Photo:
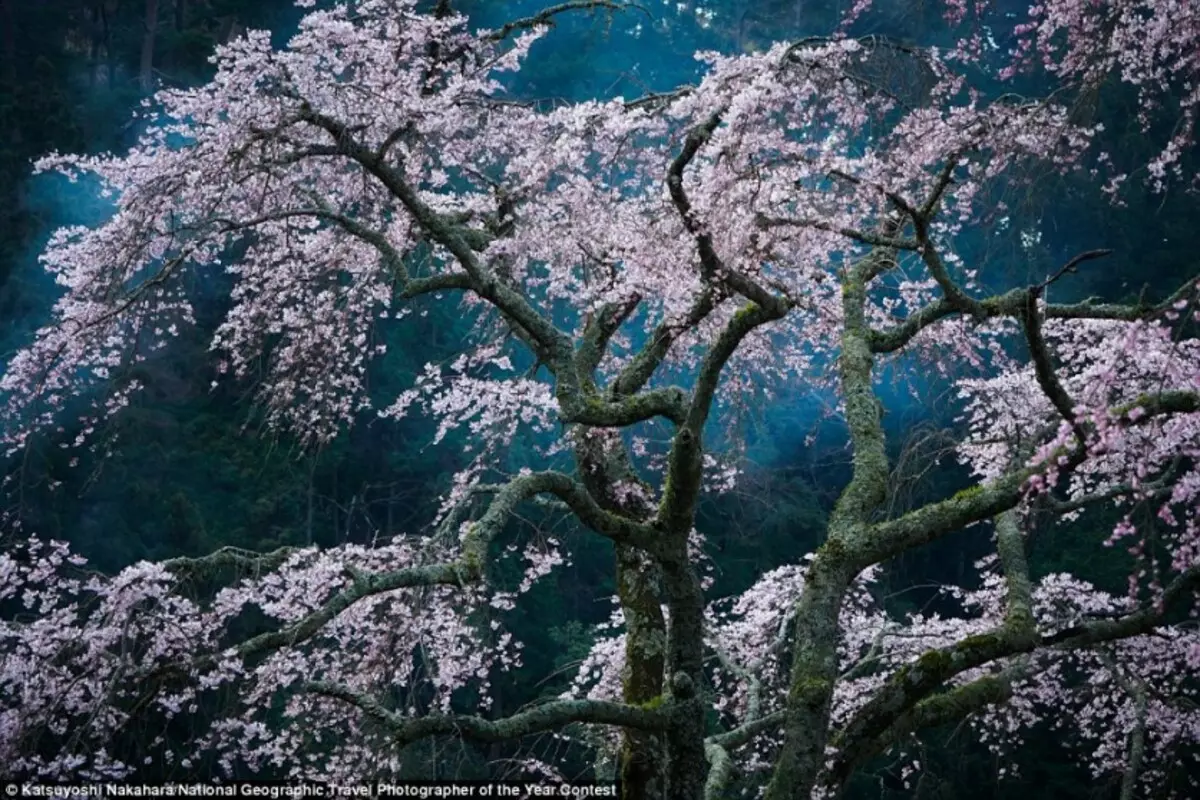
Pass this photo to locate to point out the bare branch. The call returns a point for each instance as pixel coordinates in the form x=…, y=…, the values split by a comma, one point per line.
x=863, y=237
x=1010, y=304
x=545, y=17
x=1070, y=267
x=1043, y=367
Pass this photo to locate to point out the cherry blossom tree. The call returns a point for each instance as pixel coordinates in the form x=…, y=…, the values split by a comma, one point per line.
x=632, y=267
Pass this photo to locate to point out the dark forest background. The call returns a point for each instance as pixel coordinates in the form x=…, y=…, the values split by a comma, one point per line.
x=188, y=468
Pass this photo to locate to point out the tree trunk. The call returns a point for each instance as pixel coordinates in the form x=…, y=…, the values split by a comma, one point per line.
x=814, y=673
x=146, y=67
x=641, y=763
x=840, y=559
x=687, y=764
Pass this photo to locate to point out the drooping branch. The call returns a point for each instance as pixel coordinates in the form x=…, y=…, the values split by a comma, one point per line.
x=393, y=259
x=548, y=716
x=978, y=650
x=447, y=574
x=658, y=99
x=576, y=404
x=445, y=233
x=1150, y=490
x=1144, y=620
x=620, y=529
x=472, y=565
x=1043, y=366
x=937, y=519
x=226, y=557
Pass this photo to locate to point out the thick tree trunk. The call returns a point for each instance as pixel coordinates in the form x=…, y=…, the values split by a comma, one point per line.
x=641, y=762
x=146, y=66
x=687, y=764
x=842, y=557
x=641, y=765
x=814, y=673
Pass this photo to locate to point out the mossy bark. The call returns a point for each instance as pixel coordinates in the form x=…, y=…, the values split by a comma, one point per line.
x=840, y=559
x=687, y=764
x=814, y=674
x=642, y=759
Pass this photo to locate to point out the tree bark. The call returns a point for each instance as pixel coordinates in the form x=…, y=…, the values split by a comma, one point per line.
x=687, y=764
x=814, y=673
x=844, y=554
x=640, y=764
x=641, y=761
